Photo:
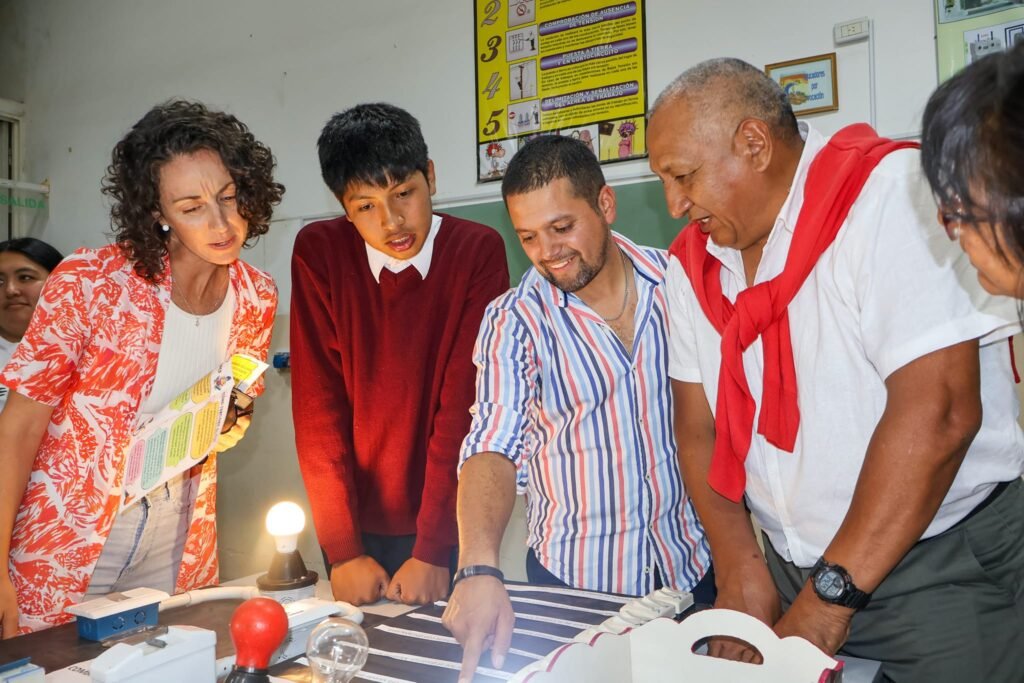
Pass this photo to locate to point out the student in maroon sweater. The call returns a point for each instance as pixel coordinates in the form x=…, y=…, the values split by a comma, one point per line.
x=386, y=305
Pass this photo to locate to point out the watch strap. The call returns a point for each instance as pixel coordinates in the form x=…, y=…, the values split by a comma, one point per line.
x=852, y=597
x=477, y=570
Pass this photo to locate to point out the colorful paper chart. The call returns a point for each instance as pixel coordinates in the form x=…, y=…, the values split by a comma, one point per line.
x=186, y=431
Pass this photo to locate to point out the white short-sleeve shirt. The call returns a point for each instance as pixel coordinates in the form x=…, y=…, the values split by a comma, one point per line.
x=6, y=351
x=890, y=289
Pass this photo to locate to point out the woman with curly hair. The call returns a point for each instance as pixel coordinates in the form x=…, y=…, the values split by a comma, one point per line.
x=118, y=332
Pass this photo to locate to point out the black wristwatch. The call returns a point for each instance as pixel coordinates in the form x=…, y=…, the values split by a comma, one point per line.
x=832, y=583
x=477, y=570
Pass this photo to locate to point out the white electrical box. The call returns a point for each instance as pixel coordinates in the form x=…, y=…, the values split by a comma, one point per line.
x=851, y=31
x=185, y=653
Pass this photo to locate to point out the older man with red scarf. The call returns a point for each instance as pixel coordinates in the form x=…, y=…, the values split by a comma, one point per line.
x=837, y=371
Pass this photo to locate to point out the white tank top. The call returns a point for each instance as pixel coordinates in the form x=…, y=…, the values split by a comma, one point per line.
x=192, y=346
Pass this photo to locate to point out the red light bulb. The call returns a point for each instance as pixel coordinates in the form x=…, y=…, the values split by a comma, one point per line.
x=257, y=627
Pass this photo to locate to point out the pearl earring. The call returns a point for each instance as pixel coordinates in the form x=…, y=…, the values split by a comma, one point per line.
x=165, y=227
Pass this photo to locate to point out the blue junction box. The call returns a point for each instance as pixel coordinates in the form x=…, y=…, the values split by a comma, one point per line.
x=118, y=613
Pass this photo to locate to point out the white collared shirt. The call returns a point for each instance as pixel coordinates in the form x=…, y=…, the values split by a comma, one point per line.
x=6, y=351
x=421, y=261
x=890, y=289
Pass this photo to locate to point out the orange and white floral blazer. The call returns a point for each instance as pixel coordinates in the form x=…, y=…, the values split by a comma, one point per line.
x=91, y=353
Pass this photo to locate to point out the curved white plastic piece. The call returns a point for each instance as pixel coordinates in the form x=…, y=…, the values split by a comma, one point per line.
x=661, y=651
x=660, y=609
x=680, y=600
x=588, y=635
x=637, y=613
x=614, y=625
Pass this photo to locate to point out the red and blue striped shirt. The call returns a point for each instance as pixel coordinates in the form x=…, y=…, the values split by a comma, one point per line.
x=589, y=428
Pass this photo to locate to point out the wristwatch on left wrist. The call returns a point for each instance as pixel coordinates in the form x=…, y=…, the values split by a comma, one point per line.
x=477, y=570
x=832, y=584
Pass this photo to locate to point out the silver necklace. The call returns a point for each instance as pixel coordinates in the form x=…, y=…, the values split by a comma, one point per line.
x=188, y=304
x=625, y=294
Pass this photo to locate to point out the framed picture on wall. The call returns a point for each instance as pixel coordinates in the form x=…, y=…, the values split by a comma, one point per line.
x=958, y=10
x=810, y=83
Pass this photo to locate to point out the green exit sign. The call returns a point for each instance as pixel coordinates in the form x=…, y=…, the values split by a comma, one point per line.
x=22, y=202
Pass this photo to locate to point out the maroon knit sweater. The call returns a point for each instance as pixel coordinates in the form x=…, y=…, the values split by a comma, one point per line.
x=382, y=381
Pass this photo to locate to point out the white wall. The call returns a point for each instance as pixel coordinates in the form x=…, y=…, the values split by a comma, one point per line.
x=682, y=33
x=90, y=69
x=12, y=55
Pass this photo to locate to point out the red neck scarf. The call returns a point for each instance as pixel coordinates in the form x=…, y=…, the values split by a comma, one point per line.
x=834, y=181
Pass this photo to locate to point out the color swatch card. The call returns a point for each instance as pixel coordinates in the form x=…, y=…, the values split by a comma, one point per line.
x=185, y=432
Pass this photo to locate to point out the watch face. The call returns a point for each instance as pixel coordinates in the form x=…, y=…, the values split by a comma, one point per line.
x=829, y=584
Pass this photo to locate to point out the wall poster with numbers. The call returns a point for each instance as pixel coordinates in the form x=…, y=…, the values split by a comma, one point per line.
x=559, y=67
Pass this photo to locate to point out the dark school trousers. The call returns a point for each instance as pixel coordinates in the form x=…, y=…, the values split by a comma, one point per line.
x=952, y=611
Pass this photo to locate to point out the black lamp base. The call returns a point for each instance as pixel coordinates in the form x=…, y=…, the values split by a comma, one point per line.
x=245, y=674
x=287, y=572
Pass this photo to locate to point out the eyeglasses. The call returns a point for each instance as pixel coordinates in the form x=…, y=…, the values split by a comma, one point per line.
x=955, y=218
x=241, y=405
x=951, y=215
x=953, y=224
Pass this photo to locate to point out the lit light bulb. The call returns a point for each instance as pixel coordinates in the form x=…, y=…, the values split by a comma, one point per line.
x=287, y=579
x=285, y=522
x=337, y=650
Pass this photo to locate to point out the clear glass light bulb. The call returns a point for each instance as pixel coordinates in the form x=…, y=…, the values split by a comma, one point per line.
x=337, y=650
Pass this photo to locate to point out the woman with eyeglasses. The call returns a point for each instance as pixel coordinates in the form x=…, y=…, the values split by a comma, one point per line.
x=25, y=263
x=972, y=149
x=118, y=333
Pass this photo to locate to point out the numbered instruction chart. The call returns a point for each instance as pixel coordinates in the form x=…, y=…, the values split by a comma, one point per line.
x=559, y=67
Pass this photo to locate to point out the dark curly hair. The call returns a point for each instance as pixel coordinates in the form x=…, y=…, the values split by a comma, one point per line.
x=972, y=144
x=172, y=129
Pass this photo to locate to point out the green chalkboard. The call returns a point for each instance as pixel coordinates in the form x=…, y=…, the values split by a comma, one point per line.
x=642, y=217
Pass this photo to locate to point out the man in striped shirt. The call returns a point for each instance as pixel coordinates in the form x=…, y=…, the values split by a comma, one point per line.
x=573, y=401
